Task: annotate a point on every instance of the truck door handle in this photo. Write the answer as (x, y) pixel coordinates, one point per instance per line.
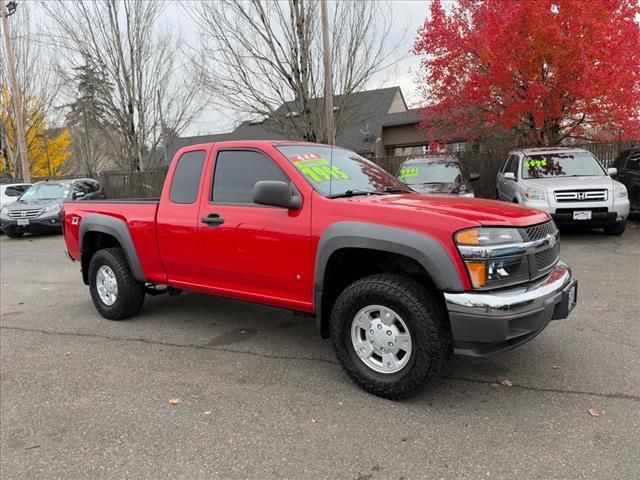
(212, 219)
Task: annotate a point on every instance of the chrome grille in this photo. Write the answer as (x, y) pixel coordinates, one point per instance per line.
(541, 231)
(17, 214)
(547, 257)
(580, 195)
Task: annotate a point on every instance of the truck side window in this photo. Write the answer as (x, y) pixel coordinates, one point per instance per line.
(186, 178)
(237, 172)
(634, 162)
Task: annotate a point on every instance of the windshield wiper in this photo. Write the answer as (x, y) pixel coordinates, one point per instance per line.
(354, 192)
(396, 190)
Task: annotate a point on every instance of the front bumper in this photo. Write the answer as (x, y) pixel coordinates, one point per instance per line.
(486, 323)
(602, 213)
(40, 224)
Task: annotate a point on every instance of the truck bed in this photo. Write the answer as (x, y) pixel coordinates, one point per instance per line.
(139, 215)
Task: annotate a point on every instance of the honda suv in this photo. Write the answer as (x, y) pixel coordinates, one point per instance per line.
(568, 183)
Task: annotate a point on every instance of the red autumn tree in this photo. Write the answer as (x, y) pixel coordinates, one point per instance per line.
(546, 69)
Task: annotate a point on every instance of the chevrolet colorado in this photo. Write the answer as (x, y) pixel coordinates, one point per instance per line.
(398, 280)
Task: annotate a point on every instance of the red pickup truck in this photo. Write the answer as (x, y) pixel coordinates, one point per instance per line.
(397, 279)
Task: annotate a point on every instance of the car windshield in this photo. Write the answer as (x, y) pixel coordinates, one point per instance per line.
(441, 171)
(569, 164)
(46, 191)
(336, 172)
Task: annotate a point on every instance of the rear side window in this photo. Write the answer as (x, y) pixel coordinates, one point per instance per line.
(237, 172)
(186, 178)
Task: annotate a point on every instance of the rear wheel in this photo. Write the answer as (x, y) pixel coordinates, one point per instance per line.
(390, 334)
(114, 291)
(615, 228)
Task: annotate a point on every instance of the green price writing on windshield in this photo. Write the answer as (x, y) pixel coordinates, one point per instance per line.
(409, 172)
(319, 170)
(535, 163)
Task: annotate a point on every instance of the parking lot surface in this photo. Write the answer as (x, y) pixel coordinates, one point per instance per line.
(262, 396)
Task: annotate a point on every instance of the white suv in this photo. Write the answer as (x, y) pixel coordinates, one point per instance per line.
(569, 183)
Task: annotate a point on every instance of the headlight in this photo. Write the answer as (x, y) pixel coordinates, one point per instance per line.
(620, 191)
(55, 208)
(494, 257)
(534, 194)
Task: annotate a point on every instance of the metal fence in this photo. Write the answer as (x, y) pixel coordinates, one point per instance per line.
(487, 163)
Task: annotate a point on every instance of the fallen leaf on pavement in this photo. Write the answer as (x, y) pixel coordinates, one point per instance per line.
(494, 385)
(206, 413)
(556, 366)
(507, 383)
(313, 420)
(175, 401)
(593, 413)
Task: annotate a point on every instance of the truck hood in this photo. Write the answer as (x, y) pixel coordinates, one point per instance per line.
(484, 212)
(568, 183)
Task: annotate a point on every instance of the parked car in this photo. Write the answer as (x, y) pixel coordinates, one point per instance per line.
(397, 279)
(627, 164)
(569, 183)
(38, 210)
(437, 174)
(10, 192)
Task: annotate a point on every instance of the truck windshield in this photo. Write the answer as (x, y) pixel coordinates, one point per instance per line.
(419, 173)
(572, 164)
(46, 191)
(336, 172)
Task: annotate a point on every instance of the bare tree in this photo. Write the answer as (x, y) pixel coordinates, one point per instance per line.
(139, 57)
(38, 85)
(257, 55)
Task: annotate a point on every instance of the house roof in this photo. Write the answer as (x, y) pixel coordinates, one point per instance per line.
(409, 117)
(361, 121)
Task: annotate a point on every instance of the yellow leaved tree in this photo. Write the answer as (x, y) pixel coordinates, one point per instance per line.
(47, 150)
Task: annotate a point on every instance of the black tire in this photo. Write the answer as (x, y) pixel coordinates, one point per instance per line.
(14, 234)
(615, 228)
(130, 294)
(426, 319)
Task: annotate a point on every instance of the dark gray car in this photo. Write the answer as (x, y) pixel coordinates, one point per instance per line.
(438, 175)
(39, 209)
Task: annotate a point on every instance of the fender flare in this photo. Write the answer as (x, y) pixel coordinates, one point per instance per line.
(93, 222)
(422, 248)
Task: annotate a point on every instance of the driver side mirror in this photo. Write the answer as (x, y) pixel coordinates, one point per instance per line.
(276, 194)
(509, 176)
(612, 171)
(474, 176)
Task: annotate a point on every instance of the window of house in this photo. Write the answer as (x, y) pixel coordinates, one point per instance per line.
(186, 178)
(238, 171)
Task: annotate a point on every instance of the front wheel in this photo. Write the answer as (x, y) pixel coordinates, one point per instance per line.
(115, 293)
(615, 228)
(390, 334)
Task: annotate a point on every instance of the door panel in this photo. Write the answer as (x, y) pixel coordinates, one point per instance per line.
(251, 251)
(177, 220)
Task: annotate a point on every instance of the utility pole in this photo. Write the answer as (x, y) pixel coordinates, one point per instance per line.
(328, 75)
(163, 128)
(9, 8)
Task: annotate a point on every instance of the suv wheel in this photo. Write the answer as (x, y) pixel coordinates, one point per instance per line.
(390, 334)
(615, 228)
(114, 291)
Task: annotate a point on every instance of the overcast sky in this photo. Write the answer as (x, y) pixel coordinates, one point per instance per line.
(408, 14)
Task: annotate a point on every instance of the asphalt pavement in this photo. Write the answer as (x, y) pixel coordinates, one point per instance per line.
(259, 395)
